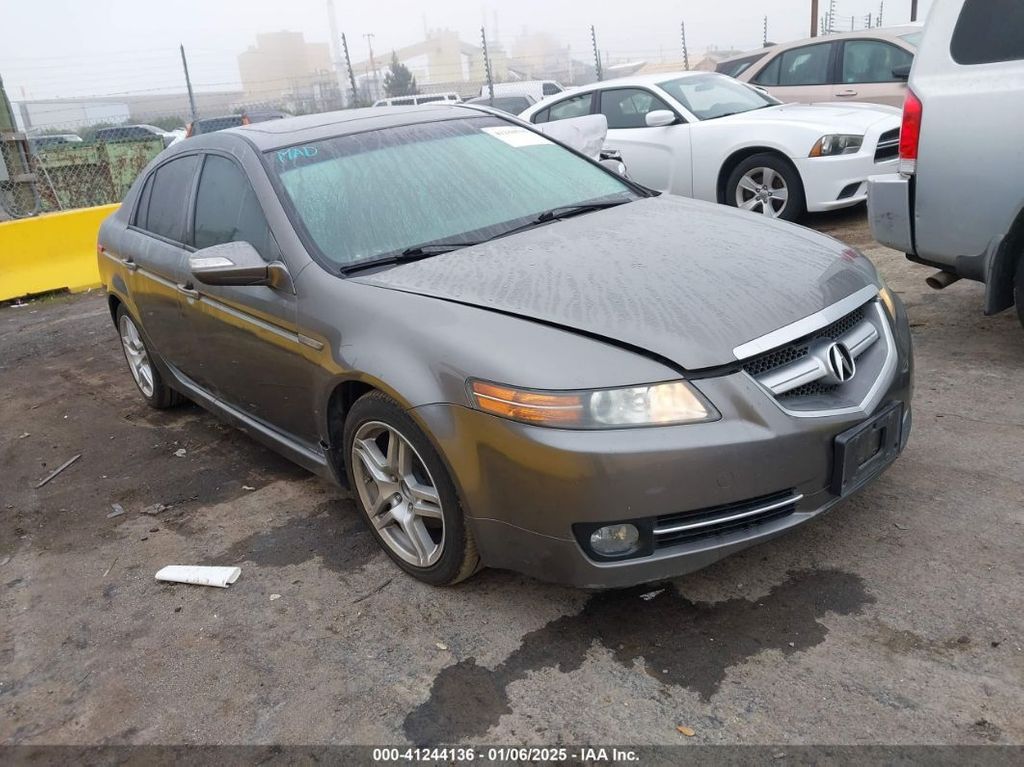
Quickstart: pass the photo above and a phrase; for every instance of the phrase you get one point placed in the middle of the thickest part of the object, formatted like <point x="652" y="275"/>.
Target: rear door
<point x="866" y="72"/>
<point x="658" y="158"/>
<point x="247" y="351"/>
<point x="801" y="74"/>
<point x="156" y="255"/>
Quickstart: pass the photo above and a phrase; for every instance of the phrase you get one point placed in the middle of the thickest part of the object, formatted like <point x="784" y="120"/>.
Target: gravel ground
<point x="898" y="618"/>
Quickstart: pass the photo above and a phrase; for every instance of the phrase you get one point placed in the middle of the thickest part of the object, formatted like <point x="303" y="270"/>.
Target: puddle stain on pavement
<point x="694" y="642"/>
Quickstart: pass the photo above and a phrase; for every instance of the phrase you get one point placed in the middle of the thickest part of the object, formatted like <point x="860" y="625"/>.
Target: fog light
<point x="614" y="540"/>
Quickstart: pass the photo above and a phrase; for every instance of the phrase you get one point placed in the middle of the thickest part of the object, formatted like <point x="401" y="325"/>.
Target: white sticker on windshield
<point x="515" y="136"/>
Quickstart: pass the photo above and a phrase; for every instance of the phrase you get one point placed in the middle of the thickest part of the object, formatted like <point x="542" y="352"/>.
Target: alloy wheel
<point x="136" y="354"/>
<point x="762" y="190"/>
<point x="398" y="493"/>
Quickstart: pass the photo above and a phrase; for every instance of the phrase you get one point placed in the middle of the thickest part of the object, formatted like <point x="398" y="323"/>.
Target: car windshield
<point x="369" y="195"/>
<point x="713" y="95"/>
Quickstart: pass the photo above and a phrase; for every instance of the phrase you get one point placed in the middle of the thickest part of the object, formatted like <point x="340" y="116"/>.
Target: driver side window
<point x="227" y="209"/>
<point x="628" y="107"/>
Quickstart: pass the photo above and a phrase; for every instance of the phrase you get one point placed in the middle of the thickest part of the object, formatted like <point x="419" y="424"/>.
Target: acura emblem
<point x="840" y="363"/>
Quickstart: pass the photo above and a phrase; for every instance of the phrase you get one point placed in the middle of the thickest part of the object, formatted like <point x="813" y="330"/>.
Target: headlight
<point x="828" y="146"/>
<point x="888" y="299"/>
<point x="661" y="404"/>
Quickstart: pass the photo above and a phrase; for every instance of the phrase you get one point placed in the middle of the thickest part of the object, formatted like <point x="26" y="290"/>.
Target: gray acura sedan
<point x="512" y="356"/>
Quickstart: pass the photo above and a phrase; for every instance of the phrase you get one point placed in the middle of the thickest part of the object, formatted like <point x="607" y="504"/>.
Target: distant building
<point x="283" y="69"/>
<point x="441" y="62"/>
<point x="68" y="114"/>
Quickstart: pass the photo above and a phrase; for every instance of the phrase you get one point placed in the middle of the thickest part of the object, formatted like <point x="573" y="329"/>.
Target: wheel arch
<point x="738" y="156"/>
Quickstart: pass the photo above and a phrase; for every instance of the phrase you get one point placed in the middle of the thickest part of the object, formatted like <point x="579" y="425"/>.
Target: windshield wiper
<point x="415" y="253"/>
<point x="426" y="250"/>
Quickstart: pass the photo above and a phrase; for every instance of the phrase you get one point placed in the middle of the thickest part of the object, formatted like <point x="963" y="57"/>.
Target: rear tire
<point x="768" y="185"/>
<point x="405" y="493"/>
<point x="150" y="383"/>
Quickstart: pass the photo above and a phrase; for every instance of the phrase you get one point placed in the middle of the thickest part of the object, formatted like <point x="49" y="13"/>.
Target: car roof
<point x="274" y="134"/>
<point x="880" y="33"/>
<point x="654" y="78"/>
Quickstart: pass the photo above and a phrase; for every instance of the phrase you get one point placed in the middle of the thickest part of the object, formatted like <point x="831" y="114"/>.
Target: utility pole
<point x="373" y="64"/>
<point x="814" y="18"/>
<point x="188" y="83"/>
<point x="487" y="65"/>
<point x="853" y="22"/>
<point x="351" y="74"/>
<point x="597" y="56"/>
<point x="881" y="10"/>
<point x="831" y="16"/>
<point x="686" y="55"/>
<point x="867" y="21"/>
<point x="913" y="10"/>
<point x="764" y="33"/>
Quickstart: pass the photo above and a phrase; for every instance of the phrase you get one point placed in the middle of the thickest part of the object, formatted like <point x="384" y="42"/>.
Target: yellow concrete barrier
<point x="50" y="252"/>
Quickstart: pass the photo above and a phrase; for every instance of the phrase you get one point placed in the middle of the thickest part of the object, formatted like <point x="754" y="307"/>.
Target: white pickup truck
<point x="957" y="203"/>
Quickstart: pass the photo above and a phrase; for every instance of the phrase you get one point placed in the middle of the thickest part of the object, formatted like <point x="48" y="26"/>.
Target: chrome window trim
<point x="805" y="326"/>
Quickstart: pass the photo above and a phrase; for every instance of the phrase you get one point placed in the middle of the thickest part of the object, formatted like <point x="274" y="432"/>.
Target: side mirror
<point x="760" y="90"/>
<point x="901" y="72"/>
<point x="612" y="159"/>
<point x="237" y="263"/>
<point x="659" y="118"/>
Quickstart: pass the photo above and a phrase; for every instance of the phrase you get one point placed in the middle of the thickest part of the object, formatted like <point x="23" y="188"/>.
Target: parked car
<point x="512" y="355"/>
<point x="705" y="135"/>
<point x="957" y="202"/>
<point x="869" y="65"/>
<point x="134" y="133"/>
<point x="41" y="142"/>
<point x="449" y="97"/>
<point x="223" y="122"/>
<point x="535" y="89"/>
<point x="511" y="104"/>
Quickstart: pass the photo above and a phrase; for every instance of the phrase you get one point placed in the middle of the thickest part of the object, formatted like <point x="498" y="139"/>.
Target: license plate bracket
<point x="863" y="451"/>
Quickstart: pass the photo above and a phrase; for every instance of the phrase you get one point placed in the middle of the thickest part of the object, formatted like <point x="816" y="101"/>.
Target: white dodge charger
<point x="705" y="135"/>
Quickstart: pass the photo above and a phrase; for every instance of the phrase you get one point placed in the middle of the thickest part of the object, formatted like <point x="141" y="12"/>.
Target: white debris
<point x="180" y="452"/>
<point x="221" y="577"/>
<point x="274" y="596"/>
<point x="650" y="595"/>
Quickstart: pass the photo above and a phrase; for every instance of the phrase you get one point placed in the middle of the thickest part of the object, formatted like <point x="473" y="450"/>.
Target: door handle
<point x="188" y="291"/>
<point x="847" y="92"/>
<point x="129" y="264"/>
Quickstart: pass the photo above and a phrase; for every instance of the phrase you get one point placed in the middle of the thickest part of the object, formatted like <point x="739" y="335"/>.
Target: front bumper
<point x="889" y="211"/>
<point x="837" y="182"/>
<point x="524" y="487"/>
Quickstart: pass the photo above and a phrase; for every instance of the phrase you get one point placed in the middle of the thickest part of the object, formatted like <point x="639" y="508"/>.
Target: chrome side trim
<point x="808" y="324"/>
<point x="792" y="501"/>
<point x="312" y="343"/>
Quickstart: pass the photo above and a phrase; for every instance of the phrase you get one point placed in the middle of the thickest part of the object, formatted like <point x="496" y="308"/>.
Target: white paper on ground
<point x="221" y="577"/>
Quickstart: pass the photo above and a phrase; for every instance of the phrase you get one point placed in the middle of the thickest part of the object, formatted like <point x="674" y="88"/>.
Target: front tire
<point x="147" y="378"/>
<point x="405" y="493"/>
<point x="768" y="185"/>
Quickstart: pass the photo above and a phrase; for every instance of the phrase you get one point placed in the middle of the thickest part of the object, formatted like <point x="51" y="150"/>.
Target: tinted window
<point x="800" y="66"/>
<point x="542" y="116"/>
<point x="870" y="61"/>
<point x="429" y="99"/>
<point x="227" y="209"/>
<point x="143" y="208"/>
<point x="577" y="106"/>
<point x="214" y="124"/>
<point x="627" y="107"/>
<point x="989" y="31"/>
<point x="168" y="199"/>
<point x="738" y="66"/>
<point x="550" y="89"/>
<point x="362" y="196"/>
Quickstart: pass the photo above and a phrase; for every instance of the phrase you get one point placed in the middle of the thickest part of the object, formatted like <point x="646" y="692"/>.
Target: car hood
<point x="855" y="118"/>
<point x="684" y="280"/>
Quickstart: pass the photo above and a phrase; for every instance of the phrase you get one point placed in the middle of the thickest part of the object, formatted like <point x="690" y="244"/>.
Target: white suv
<point x="957" y="203"/>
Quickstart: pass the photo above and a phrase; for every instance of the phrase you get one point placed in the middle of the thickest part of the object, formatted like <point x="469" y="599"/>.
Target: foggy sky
<point x="77" y="48"/>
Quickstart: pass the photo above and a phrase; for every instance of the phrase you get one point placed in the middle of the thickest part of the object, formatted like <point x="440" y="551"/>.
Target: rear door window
<point x="808" y="65"/>
<point x="738" y="66"/>
<point x="989" y="31"/>
<point x="227" y="209"/>
<point x="168" y="191"/>
<point x="550" y="89"/>
<point x="577" y="106"/>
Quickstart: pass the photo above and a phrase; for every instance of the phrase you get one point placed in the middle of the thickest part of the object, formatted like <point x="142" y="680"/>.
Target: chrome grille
<point x="784" y="355"/>
<point x="888" y="145"/>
